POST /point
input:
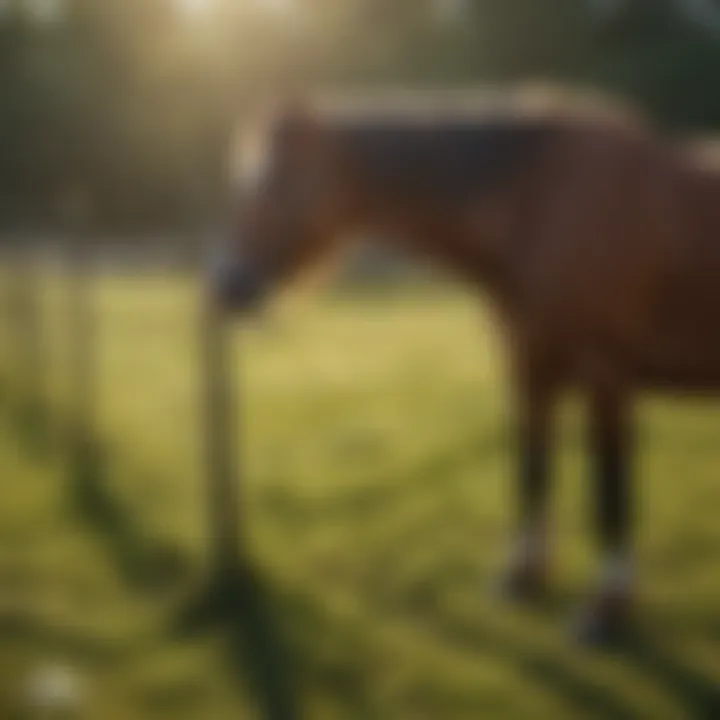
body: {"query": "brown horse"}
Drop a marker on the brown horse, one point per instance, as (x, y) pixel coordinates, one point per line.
(596, 241)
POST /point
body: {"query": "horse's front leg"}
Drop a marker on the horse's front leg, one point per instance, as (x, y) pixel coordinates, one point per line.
(526, 574)
(611, 441)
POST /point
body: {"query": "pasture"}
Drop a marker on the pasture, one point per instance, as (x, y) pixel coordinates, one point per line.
(378, 481)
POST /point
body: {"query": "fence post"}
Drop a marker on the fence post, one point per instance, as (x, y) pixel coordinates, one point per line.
(27, 364)
(219, 399)
(235, 595)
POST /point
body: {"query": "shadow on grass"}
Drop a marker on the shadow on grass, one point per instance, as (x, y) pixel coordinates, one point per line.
(236, 602)
(143, 561)
(537, 663)
(273, 645)
(31, 422)
(567, 674)
(698, 693)
(331, 655)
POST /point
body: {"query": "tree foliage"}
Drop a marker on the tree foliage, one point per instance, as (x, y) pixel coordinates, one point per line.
(132, 101)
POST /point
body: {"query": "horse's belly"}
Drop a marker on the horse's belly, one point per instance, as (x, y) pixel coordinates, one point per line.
(679, 380)
(681, 350)
(684, 353)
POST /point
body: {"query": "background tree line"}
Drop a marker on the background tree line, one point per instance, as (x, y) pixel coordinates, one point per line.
(131, 101)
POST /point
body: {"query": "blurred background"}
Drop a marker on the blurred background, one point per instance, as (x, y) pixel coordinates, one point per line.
(372, 443)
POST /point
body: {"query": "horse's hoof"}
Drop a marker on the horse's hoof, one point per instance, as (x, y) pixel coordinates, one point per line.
(521, 584)
(604, 623)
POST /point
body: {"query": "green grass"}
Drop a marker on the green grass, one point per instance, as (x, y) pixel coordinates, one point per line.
(377, 490)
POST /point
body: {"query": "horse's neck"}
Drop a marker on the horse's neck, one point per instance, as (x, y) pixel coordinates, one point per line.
(702, 210)
(447, 240)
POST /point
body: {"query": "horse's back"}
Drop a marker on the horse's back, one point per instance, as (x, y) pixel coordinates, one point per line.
(635, 228)
(450, 160)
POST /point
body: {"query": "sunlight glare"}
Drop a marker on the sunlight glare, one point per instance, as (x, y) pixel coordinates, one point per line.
(196, 7)
(46, 10)
(450, 10)
(276, 5)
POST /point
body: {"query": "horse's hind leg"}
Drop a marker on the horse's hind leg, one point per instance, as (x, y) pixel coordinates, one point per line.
(610, 440)
(526, 574)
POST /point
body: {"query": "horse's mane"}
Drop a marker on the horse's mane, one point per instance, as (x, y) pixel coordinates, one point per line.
(536, 103)
(542, 102)
(702, 153)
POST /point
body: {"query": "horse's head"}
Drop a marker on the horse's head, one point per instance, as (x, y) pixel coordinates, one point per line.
(433, 177)
(294, 201)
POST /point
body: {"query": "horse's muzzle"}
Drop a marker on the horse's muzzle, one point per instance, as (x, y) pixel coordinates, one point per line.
(237, 287)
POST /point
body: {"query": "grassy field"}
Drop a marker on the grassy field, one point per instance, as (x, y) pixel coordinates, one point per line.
(378, 499)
